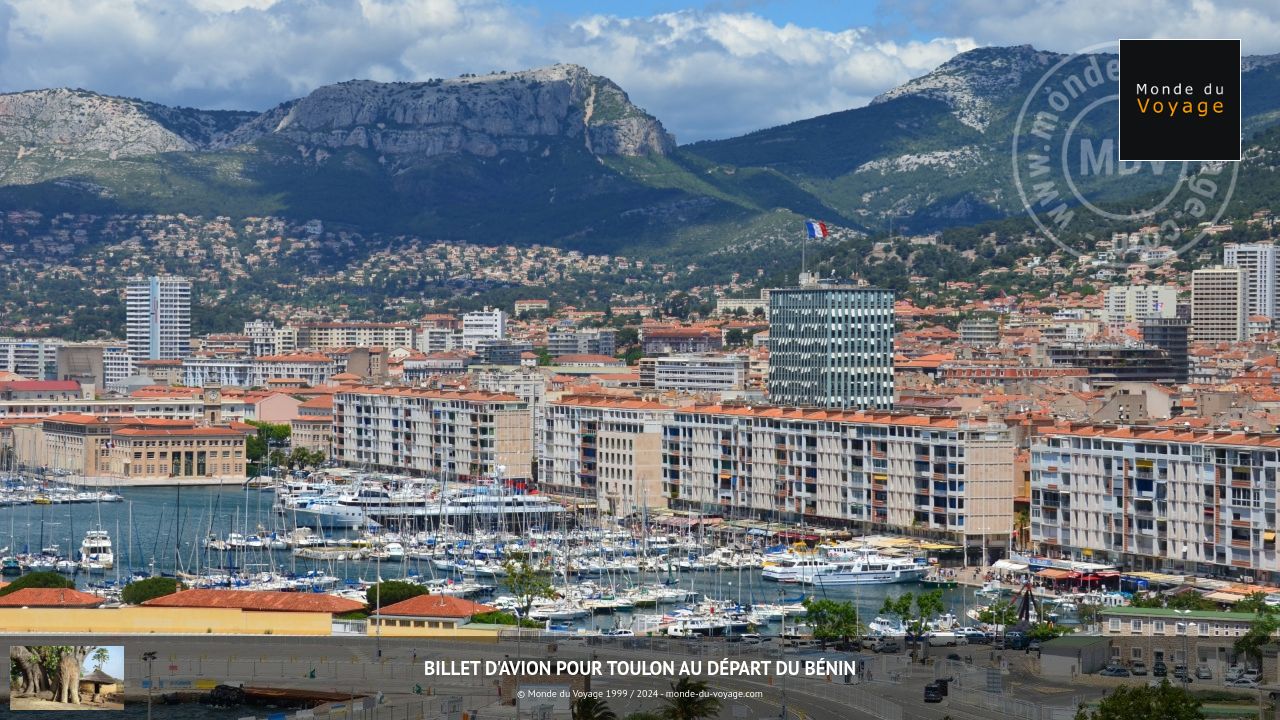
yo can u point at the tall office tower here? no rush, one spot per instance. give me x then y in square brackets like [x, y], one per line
[1259, 261]
[831, 346]
[1218, 304]
[1170, 335]
[159, 318]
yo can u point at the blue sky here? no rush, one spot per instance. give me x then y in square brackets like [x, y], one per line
[114, 666]
[706, 69]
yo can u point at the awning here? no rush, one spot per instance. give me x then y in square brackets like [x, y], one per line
[1054, 574]
[1268, 535]
[757, 531]
[1224, 597]
[1008, 565]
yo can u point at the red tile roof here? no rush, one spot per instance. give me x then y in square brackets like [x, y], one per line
[436, 606]
[49, 597]
[257, 600]
[40, 386]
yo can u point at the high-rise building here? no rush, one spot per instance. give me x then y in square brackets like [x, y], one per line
[1218, 304]
[1126, 304]
[1170, 334]
[831, 346]
[486, 324]
[32, 358]
[1259, 261]
[159, 318]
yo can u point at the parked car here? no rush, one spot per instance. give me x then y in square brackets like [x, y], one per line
[1113, 671]
[1233, 672]
[1241, 682]
[947, 639]
[932, 693]
[1159, 669]
[1252, 675]
[886, 645]
[1203, 672]
[1137, 667]
[1180, 672]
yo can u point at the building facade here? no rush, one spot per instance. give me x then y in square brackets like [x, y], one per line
[354, 334]
[582, 342]
[486, 324]
[707, 372]
[33, 359]
[470, 436]
[159, 318]
[1125, 304]
[1259, 261]
[877, 471]
[1190, 501]
[831, 346]
[1219, 304]
[604, 451]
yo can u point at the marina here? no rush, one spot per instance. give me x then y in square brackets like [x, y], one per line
[619, 579]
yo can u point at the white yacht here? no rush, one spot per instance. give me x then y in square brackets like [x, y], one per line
[791, 569]
[867, 568]
[95, 551]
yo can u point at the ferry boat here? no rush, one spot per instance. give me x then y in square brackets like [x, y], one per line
[869, 568]
[791, 569]
[95, 551]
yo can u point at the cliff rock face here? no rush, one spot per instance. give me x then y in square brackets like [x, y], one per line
[974, 83]
[83, 122]
[482, 115]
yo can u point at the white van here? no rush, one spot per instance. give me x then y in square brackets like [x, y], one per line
[947, 639]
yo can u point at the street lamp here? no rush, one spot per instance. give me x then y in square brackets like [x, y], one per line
[1186, 659]
[149, 658]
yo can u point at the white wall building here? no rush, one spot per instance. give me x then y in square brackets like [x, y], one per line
[1127, 304]
[487, 324]
[159, 318]
[1259, 261]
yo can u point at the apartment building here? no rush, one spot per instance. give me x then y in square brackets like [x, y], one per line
[313, 369]
[474, 436]
[980, 331]
[591, 341]
[605, 451]
[1126, 304]
[879, 471]
[312, 428]
[1173, 499]
[354, 334]
[676, 340]
[1259, 262]
[707, 372]
[33, 359]
[1219, 304]
[159, 318]
[486, 324]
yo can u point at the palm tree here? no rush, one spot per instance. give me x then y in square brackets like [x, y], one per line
[689, 700]
[591, 708]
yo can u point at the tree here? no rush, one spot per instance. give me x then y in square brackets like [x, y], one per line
[526, 581]
[37, 668]
[390, 592]
[1190, 601]
[927, 604]
[100, 657]
[588, 707]
[735, 337]
[831, 619]
[39, 580]
[689, 700]
[1259, 634]
[1167, 702]
[140, 591]
[268, 433]
[1255, 603]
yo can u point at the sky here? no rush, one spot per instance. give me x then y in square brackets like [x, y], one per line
[706, 68]
[114, 666]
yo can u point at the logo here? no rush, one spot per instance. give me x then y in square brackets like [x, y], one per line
[1070, 179]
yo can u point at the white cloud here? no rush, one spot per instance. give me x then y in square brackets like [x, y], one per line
[1069, 26]
[704, 74]
[712, 74]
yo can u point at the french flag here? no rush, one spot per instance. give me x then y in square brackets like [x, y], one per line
[816, 229]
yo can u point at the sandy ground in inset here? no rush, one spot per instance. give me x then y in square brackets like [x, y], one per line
[35, 703]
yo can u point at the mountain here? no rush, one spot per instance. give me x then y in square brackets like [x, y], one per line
[555, 155]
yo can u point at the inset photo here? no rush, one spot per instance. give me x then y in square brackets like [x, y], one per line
[66, 677]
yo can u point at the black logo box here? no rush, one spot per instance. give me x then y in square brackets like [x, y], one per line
[1187, 69]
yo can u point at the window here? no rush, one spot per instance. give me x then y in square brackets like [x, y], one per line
[1136, 653]
[1159, 627]
[1135, 625]
[1114, 625]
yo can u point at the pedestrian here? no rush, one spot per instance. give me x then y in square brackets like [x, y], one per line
[415, 655]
